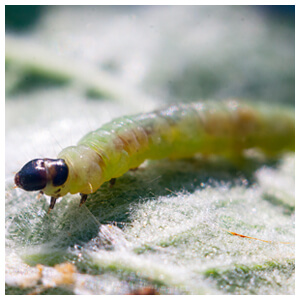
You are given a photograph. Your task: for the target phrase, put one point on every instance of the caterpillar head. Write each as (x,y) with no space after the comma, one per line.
(39,173)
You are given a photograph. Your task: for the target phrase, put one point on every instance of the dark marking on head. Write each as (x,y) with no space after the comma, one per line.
(37,173)
(59,172)
(33,176)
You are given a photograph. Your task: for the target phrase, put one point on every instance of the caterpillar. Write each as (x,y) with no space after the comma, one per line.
(179,131)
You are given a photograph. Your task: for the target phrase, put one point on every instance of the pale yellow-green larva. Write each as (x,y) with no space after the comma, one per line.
(180,131)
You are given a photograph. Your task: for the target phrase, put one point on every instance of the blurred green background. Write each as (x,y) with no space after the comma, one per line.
(70,69)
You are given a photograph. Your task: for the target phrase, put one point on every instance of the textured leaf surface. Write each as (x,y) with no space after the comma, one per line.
(165,225)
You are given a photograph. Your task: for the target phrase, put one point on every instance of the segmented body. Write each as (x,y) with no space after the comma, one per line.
(179,131)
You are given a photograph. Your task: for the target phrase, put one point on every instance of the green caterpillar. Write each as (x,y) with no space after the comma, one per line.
(225,128)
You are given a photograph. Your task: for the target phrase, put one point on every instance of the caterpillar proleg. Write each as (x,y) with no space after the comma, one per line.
(179,131)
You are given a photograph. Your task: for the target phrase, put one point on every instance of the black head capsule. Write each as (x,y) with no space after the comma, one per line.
(37,173)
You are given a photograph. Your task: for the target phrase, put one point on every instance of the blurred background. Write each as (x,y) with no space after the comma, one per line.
(172,53)
(70,69)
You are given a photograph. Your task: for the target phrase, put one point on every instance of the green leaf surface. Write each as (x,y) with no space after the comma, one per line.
(166,225)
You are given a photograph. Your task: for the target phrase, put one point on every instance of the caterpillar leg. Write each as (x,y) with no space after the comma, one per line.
(83,199)
(112,182)
(52,203)
(39,195)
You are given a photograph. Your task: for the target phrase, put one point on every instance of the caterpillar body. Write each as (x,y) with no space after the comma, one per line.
(180,131)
